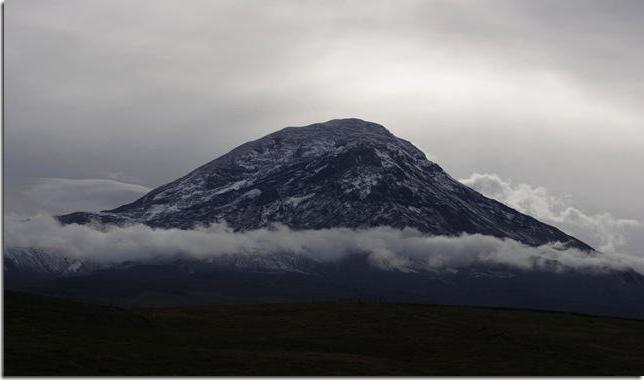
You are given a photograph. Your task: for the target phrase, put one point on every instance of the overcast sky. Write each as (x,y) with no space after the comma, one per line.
(137,93)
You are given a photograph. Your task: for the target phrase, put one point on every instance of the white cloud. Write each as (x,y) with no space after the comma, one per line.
(60,195)
(603,231)
(386,247)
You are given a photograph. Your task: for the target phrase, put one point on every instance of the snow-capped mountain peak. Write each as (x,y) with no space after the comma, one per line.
(341,173)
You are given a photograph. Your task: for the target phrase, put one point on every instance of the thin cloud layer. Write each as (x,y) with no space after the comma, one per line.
(604,231)
(60,195)
(386,247)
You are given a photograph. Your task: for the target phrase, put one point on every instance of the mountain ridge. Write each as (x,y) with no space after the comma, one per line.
(349,175)
(341,173)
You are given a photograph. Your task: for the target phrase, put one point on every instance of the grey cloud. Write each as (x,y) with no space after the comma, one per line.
(544,91)
(604,231)
(583,39)
(61,195)
(386,247)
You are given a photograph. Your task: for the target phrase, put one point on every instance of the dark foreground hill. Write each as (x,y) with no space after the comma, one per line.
(48,336)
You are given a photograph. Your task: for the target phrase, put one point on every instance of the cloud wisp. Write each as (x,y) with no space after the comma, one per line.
(60,195)
(385,247)
(603,231)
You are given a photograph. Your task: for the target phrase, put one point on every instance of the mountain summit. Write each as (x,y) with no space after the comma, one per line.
(342,173)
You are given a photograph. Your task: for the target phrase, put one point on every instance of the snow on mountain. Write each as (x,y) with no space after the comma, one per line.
(341,173)
(41,263)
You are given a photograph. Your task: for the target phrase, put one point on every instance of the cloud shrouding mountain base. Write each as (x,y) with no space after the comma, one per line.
(386,247)
(603,231)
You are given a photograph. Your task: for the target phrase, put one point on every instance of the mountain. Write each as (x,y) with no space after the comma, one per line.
(41,263)
(341,173)
(237,279)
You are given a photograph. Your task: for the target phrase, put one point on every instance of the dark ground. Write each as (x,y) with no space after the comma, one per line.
(48,336)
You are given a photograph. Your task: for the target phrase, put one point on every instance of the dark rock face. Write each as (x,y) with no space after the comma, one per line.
(342,173)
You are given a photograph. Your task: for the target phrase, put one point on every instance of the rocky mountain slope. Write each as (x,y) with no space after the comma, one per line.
(341,173)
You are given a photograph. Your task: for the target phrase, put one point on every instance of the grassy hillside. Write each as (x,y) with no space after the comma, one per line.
(47,336)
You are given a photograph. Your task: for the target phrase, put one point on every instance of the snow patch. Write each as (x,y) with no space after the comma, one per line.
(414,209)
(295,201)
(233,186)
(387,161)
(252,194)
(362,183)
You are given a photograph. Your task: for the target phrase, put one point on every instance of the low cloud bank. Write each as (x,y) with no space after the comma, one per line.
(386,247)
(603,231)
